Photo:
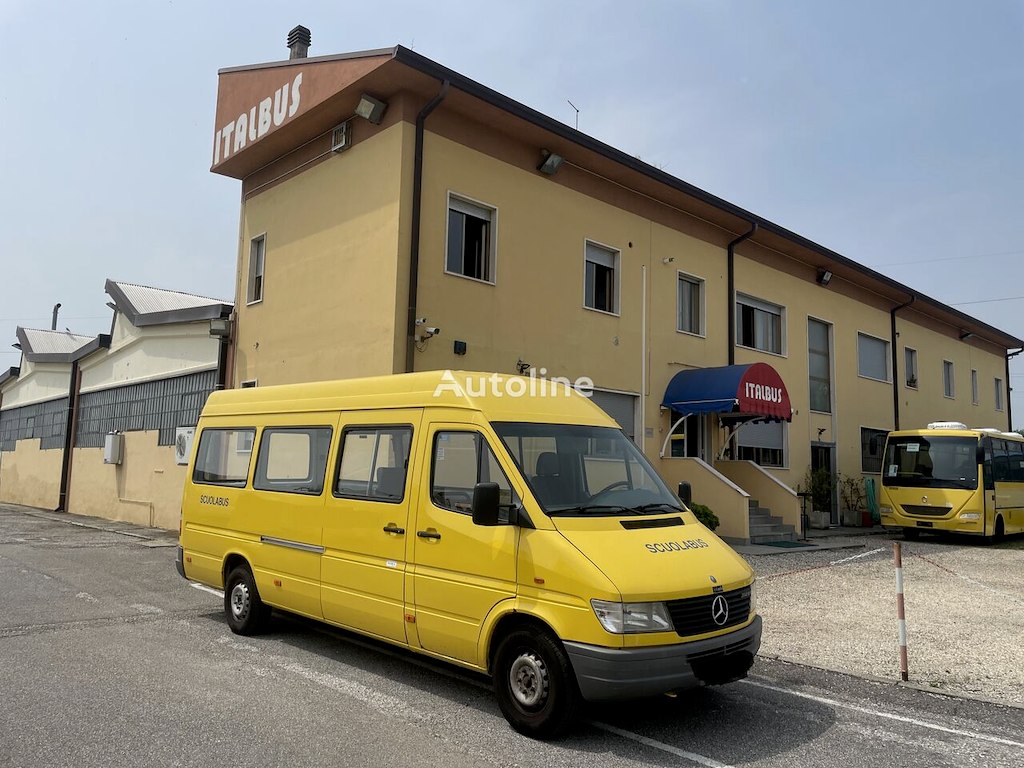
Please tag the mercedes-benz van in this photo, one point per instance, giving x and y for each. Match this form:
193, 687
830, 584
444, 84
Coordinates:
501, 523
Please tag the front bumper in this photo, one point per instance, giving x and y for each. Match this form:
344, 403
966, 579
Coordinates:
606, 674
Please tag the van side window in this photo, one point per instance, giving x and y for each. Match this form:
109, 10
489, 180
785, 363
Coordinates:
373, 463
461, 460
223, 457
293, 459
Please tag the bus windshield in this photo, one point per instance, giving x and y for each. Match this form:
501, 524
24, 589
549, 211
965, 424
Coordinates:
577, 470
931, 462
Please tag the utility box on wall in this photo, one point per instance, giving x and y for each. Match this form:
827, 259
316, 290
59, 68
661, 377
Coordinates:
183, 444
113, 448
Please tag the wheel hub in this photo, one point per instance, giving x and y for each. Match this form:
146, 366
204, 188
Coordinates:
239, 600
529, 680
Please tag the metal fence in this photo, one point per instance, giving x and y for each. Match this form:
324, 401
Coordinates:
45, 421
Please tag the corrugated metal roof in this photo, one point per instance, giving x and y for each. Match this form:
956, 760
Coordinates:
53, 342
146, 300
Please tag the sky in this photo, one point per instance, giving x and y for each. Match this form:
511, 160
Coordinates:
889, 132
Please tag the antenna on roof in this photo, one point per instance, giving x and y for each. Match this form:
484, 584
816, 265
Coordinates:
577, 114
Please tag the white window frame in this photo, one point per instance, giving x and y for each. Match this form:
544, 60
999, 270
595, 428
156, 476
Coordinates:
907, 371
952, 380
999, 394
785, 446
975, 395
702, 308
888, 358
472, 207
770, 307
261, 265
616, 277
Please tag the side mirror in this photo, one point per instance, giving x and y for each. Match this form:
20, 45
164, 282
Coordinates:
485, 504
685, 493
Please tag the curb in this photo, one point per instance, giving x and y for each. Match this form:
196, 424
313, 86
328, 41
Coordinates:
86, 521
896, 683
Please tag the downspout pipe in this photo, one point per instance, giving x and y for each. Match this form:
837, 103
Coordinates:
895, 361
1009, 389
731, 304
69, 437
414, 247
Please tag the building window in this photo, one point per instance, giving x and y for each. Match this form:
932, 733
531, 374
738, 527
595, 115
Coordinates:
819, 365
948, 386
763, 443
872, 445
690, 305
601, 281
999, 394
759, 325
257, 252
470, 250
910, 366
872, 357
974, 387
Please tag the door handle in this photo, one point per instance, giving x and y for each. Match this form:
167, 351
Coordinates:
392, 528
430, 534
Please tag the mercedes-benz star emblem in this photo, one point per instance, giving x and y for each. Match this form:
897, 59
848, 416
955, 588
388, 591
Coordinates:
719, 610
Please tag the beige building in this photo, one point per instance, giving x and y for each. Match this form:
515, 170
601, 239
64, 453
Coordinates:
136, 392
397, 216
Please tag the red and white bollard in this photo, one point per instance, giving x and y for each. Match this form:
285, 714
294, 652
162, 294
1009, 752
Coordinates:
901, 615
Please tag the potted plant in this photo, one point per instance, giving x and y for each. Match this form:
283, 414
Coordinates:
821, 485
854, 501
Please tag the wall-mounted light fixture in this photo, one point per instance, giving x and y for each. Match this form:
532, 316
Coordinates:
668, 259
550, 163
965, 335
371, 109
824, 277
522, 367
220, 327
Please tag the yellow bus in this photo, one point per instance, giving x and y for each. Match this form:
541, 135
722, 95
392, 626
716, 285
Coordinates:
949, 477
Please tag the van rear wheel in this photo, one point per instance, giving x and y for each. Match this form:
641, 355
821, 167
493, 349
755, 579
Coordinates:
246, 612
535, 684
911, 534
1000, 531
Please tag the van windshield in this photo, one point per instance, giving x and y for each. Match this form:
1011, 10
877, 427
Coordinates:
579, 470
931, 462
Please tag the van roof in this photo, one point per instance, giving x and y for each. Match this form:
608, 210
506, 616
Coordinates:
499, 397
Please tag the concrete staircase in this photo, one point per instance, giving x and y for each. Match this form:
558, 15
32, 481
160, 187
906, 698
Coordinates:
765, 528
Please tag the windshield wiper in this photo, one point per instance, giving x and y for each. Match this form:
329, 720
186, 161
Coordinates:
664, 505
583, 509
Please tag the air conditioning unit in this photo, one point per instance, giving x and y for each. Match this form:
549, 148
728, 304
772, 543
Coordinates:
113, 448
341, 138
183, 444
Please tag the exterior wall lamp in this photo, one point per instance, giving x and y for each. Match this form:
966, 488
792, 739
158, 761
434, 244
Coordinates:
550, 163
371, 109
824, 277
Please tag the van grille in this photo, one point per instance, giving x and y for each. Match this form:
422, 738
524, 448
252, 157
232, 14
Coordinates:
915, 509
692, 616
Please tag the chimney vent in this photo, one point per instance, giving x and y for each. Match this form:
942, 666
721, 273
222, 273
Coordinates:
298, 42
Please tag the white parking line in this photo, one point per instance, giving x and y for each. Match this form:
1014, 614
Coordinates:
857, 557
204, 588
691, 756
887, 715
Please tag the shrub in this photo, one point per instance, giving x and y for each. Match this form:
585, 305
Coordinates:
705, 515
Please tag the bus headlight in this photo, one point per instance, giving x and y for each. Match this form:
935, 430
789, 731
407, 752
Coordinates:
970, 515
884, 510
629, 618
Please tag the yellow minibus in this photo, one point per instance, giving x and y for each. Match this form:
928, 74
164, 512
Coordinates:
501, 523
952, 478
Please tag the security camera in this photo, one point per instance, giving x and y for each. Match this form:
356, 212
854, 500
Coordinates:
430, 330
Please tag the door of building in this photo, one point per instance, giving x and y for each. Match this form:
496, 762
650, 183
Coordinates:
823, 456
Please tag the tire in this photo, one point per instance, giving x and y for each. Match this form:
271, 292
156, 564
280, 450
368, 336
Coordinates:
999, 532
535, 684
245, 611
911, 534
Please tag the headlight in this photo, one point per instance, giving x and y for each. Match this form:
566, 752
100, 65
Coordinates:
628, 618
883, 510
970, 515
754, 589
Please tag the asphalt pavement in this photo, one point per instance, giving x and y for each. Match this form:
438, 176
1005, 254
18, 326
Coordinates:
109, 658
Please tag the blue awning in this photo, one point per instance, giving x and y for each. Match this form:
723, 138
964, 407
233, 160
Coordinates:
755, 389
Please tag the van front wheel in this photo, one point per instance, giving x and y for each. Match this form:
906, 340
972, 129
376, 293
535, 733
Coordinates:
535, 684
246, 613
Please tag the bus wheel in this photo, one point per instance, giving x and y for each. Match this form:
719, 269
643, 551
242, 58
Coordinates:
1000, 530
246, 613
911, 534
535, 685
